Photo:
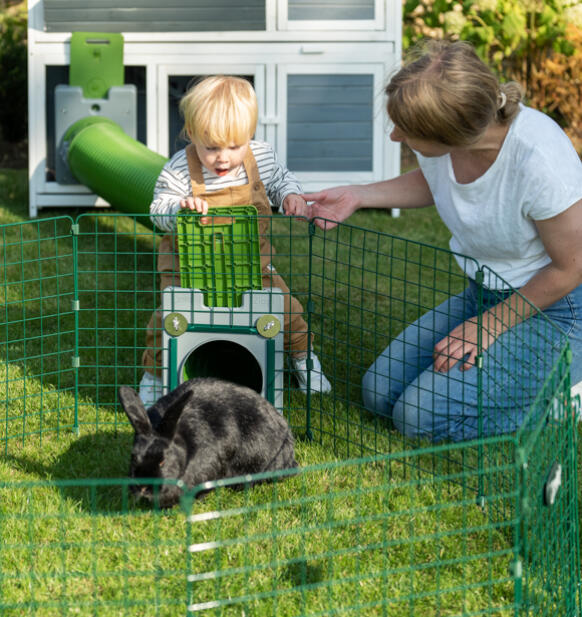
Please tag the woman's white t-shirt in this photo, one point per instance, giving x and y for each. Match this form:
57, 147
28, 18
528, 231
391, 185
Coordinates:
537, 174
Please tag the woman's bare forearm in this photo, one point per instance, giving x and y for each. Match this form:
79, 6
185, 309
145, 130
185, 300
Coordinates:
410, 190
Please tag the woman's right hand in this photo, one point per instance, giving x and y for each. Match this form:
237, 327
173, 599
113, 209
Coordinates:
194, 203
334, 204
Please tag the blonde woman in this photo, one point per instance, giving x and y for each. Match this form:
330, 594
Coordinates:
507, 182
224, 166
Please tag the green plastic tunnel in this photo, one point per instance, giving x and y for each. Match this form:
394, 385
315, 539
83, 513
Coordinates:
113, 165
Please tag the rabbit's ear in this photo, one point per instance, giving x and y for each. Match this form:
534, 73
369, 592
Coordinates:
172, 414
135, 410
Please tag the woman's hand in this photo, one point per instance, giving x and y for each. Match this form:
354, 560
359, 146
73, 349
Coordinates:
335, 204
461, 344
194, 203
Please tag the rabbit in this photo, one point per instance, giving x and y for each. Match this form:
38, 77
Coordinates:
206, 429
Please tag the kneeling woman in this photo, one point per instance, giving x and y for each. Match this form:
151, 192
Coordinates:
507, 182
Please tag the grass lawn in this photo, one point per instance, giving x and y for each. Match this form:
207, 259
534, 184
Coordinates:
396, 533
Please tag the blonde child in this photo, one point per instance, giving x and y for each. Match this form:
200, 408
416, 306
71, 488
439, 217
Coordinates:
223, 166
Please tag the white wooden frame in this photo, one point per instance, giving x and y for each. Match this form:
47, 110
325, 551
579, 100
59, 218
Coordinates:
268, 55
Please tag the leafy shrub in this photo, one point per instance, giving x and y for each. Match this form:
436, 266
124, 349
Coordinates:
508, 34
556, 87
535, 42
13, 73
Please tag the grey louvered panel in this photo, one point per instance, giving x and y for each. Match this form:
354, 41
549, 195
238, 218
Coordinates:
154, 16
330, 9
330, 122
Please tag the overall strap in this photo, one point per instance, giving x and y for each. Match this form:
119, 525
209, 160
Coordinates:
258, 193
195, 169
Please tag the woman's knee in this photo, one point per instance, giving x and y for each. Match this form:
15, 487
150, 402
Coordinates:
406, 417
374, 395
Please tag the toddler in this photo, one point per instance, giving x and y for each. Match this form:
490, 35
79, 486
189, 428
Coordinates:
223, 166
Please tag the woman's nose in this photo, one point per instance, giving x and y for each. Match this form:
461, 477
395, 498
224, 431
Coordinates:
396, 135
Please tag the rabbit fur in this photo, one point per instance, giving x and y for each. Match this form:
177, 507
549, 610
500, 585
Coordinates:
206, 429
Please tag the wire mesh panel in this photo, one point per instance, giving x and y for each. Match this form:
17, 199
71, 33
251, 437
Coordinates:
118, 289
357, 537
379, 520
37, 338
77, 548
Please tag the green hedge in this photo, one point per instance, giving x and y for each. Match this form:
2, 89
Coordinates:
13, 72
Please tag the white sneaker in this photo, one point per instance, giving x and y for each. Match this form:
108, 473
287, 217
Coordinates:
150, 389
318, 383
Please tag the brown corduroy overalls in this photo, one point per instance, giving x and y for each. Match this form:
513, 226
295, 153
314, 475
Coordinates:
295, 327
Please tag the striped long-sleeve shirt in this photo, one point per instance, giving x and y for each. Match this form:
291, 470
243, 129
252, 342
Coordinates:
173, 183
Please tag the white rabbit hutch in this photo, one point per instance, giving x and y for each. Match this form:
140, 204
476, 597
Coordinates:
318, 69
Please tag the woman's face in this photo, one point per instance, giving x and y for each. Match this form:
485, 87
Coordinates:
422, 146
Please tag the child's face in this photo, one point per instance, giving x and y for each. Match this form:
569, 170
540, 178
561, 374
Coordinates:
221, 160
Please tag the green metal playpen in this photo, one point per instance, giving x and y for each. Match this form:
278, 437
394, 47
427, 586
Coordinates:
371, 524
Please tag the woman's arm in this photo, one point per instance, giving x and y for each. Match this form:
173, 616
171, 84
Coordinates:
561, 236
409, 190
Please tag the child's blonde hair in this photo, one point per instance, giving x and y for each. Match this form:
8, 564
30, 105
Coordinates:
447, 94
220, 111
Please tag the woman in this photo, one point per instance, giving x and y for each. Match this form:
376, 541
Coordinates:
507, 182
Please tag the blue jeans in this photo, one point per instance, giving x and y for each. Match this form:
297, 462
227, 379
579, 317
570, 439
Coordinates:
423, 403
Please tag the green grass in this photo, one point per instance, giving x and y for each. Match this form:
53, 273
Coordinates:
391, 535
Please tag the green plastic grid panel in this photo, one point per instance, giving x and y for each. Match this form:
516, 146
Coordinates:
219, 253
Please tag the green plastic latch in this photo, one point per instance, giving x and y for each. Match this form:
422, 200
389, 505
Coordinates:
96, 62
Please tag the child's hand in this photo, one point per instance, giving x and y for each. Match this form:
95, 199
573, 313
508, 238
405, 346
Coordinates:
194, 203
295, 205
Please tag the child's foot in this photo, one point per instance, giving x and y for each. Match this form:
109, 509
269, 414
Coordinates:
318, 382
150, 389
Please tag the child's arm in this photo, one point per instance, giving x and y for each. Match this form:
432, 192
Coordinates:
172, 187
283, 188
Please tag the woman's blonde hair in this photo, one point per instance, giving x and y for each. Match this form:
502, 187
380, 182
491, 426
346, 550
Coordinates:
220, 111
447, 94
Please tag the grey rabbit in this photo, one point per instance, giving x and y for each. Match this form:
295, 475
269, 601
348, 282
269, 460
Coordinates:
205, 429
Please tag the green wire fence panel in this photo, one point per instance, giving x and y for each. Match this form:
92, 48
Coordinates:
37, 340
74, 548
372, 523
375, 541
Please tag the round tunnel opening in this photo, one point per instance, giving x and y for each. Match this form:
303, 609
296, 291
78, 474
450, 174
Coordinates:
224, 360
